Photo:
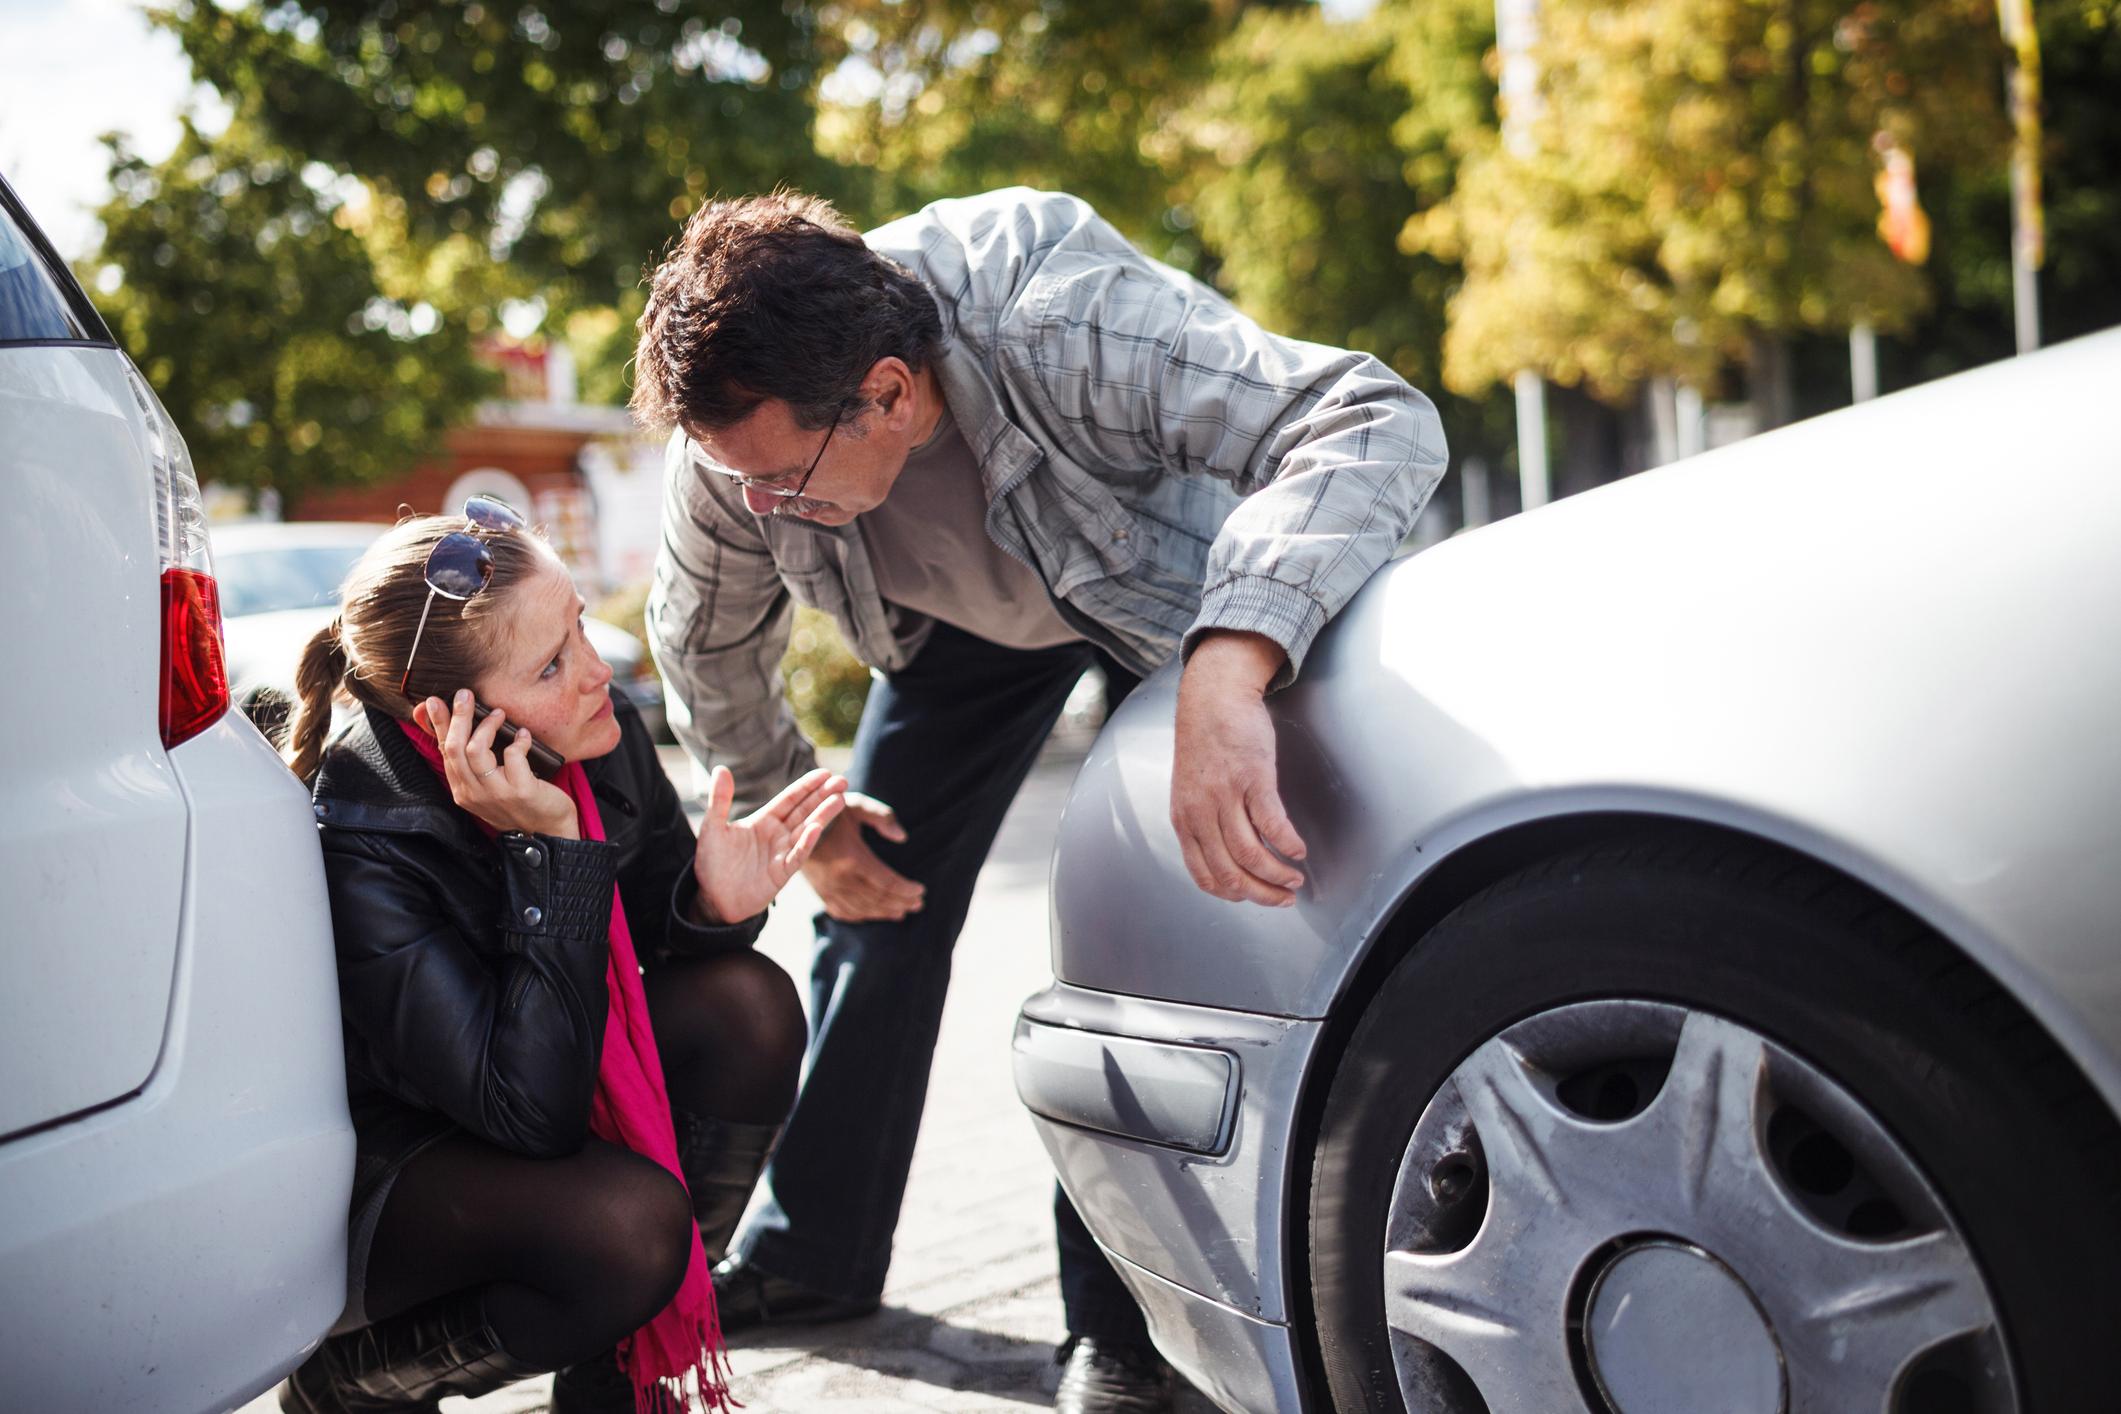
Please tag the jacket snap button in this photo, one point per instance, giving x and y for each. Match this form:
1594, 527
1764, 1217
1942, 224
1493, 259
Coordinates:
530, 855
532, 917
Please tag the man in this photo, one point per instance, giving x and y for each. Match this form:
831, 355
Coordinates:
993, 442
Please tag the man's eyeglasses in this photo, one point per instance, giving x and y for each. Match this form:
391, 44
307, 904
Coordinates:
460, 564
781, 491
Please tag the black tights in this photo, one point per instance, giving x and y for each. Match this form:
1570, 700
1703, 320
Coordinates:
574, 1253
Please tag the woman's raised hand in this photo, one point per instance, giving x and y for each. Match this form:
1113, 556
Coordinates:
498, 787
742, 864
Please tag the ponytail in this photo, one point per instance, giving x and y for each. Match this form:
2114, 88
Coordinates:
319, 677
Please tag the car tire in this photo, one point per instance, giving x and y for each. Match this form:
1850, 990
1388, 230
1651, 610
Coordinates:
2001, 1125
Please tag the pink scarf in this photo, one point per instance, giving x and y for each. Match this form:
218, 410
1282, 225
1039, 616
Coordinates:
680, 1351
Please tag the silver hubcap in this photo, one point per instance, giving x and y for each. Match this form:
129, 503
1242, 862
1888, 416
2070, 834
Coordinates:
1671, 1330
1633, 1208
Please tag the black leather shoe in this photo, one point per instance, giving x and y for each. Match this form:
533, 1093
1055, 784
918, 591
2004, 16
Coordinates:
1111, 1377
745, 1297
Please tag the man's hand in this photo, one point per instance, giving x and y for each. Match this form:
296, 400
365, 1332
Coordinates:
1225, 799
853, 884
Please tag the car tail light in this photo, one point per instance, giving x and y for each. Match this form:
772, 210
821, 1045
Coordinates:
194, 661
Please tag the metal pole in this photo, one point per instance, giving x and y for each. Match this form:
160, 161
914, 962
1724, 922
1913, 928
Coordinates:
1691, 423
2025, 281
1516, 31
1863, 363
2028, 227
1532, 438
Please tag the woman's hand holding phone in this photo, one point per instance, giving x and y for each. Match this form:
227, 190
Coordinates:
742, 864
498, 787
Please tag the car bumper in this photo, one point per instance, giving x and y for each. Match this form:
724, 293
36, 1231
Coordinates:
181, 1249
1169, 1126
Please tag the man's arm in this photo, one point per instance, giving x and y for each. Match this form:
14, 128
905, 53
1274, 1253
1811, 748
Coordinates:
1148, 372
719, 618
1335, 455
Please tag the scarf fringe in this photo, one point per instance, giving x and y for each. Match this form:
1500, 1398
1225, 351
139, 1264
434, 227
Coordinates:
701, 1387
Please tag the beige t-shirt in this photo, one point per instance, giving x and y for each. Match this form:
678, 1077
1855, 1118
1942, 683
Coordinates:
929, 546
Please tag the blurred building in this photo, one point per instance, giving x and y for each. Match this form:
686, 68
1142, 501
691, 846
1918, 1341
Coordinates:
580, 470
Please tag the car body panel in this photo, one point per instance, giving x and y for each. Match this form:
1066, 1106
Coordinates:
92, 846
1931, 715
1198, 1219
181, 1251
1888, 638
1238, 1361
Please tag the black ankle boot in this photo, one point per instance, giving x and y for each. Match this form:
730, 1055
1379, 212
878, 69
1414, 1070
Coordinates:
599, 1386
721, 1161
405, 1363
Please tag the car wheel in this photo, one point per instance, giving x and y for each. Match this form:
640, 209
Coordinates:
1687, 1124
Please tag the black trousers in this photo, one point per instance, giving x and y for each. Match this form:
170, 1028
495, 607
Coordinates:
946, 742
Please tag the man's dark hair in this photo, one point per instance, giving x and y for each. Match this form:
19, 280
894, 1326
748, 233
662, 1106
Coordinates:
773, 297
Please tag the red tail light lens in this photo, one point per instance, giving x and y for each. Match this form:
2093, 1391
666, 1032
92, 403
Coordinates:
194, 676
194, 665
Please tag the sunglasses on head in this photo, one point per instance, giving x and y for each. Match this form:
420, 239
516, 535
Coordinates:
460, 564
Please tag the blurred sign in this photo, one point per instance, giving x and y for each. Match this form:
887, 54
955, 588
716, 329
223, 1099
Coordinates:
1902, 224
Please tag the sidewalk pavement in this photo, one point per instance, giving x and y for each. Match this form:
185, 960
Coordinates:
972, 1310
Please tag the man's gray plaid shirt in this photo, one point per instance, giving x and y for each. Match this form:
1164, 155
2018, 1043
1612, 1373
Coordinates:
1164, 464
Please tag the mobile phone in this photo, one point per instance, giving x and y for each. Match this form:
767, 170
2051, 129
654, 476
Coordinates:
543, 759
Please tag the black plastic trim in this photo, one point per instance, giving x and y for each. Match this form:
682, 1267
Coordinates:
69, 288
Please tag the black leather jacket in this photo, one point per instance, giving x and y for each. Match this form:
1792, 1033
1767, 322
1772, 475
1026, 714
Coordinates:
472, 970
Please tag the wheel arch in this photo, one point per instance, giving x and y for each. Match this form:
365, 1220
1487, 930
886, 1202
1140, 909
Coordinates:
1459, 876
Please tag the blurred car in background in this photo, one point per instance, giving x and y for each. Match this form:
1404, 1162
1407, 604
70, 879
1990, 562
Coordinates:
175, 1153
1706, 993
280, 584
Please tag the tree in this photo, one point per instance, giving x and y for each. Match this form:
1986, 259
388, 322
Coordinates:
309, 282
1309, 146
245, 283
1970, 321
1701, 175
958, 96
570, 137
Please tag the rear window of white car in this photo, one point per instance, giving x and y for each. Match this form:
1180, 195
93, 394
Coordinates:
34, 308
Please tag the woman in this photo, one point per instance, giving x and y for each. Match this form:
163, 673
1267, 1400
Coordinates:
526, 1099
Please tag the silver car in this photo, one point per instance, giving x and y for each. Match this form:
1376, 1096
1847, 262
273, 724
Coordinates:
1707, 991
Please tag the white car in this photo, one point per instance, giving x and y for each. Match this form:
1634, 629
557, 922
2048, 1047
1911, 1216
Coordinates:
1706, 994
175, 1154
280, 584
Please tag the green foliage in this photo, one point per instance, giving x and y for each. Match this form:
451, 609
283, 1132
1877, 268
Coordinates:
827, 684
1308, 148
262, 317
568, 138
1971, 319
1700, 177
1702, 172
966, 95
1297, 185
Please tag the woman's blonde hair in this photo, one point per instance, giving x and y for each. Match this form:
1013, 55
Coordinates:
363, 649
